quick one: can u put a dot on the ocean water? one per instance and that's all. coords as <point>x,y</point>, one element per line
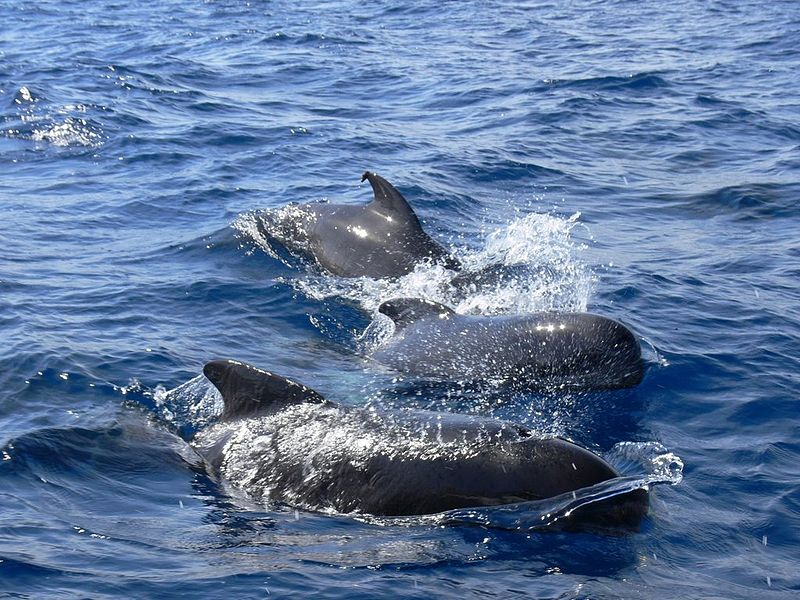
<point>637,160</point>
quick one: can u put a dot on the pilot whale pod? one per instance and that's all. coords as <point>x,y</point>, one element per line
<point>283,442</point>
<point>579,350</point>
<point>381,239</point>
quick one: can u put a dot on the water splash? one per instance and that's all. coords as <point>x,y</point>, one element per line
<point>70,131</point>
<point>529,265</point>
<point>542,514</point>
<point>653,457</point>
<point>61,126</point>
<point>280,233</point>
<point>190,406</point>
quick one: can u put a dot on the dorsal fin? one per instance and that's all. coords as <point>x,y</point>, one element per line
<point>249,392</point>
<point>404,311</point>
<point>388,201</point>
<point>390,205</point>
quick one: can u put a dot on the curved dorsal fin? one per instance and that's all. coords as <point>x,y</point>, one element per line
<point>249,392</point>
<point>388,201</point>
<point>389,204</point>
<point>404,311</point>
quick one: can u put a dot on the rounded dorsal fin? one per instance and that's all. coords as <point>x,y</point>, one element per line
<point>404,311</point>
<point>248,391</point>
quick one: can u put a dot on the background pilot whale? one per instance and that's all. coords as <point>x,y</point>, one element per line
<point>579,350</point>
<point>283,442</point>
<point>383,238</point>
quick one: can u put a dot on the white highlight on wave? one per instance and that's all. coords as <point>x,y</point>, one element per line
<point>64,126</point>
<point>70,132</point>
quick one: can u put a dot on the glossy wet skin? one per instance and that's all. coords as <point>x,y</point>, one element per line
<point>578,349</point>
<point>381,239</point>
<point>323,457</point>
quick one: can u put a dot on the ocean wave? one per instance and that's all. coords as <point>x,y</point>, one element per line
<point>638,82</point>
<point>751,201</point>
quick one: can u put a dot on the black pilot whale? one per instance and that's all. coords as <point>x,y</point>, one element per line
<point>381,239</point>
<point>576,350</point>
<point>282,442</point>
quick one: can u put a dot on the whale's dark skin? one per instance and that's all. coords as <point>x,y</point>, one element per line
<point>381,239</point>
<point>282,442</point>
<point>576,350</point>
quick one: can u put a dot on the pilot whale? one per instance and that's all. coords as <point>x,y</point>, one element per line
<point>381,239</point>
<point>576,350</point>
<point>280,441</point>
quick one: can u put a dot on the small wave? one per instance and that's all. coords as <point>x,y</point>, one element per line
<point>64,456</point>
<point>744,202</point>
<point>25,96</point>
<point>69,132</point>
<point>636,82</point>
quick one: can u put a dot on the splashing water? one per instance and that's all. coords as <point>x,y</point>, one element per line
<point>542,269</point>
<point>280,233</point>
<point>653,457</point>
<point>70,132</point>
<point>62,126</point>
<point>191,406</point>
<point>529,265</point>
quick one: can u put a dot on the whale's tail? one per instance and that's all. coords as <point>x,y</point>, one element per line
<point>249,392</point>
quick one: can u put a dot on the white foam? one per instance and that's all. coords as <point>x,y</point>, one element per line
<point>63,126</point>
<point>70,132</point>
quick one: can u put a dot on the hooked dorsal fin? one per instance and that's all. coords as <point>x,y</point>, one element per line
<point>388,201</point>
<point>390,205</point>
<point>404,311</point>
<point>249,392</point>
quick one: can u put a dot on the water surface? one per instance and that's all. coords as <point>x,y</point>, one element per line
<point>636,160</point>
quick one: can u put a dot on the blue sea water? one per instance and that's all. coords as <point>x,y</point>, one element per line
<point>638,160</point>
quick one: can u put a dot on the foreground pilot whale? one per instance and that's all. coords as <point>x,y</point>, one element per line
<point>381,239</point>
<point>576,350</point>
<point>282,442</point>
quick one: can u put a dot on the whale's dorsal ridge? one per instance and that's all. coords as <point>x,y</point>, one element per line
<point>248,391</point>
<point>404,311</point>
<point>388,201</point>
